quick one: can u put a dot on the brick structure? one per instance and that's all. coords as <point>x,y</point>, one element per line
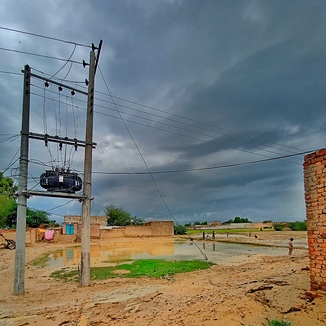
<point>315,198</point>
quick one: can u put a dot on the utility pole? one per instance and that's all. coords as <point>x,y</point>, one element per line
<point>86,206</point>
<point>24,193</point>
<point>19,271</point>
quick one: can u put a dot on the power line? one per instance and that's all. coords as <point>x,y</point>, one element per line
<point>43,36</point>
<point>169,125</point>
<point>210,167</point>
<point>39,55</point>
<point>182,123</point>
<point>119,98</point>
<point>141,154</point>
<point>12,162</point>
<point>176,127</point>
<point>189,119</point>
<point>9,138</point>
<point>67,61</point>
<point>10,72</point>
<point>56,207</point>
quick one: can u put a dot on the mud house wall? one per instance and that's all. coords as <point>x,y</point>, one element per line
<point>76,219</point>
<point>150,229</point>
<point>315,198</point>
<point>94,230</point>
<point>138,230</point>
<point>72,219</point>
<point>31,235</point>
<point>112,233</point>
<point>162,228</point>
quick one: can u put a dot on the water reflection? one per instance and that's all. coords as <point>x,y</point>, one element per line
<point>103,254</point>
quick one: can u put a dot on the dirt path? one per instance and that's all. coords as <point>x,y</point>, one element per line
<point>248,293</point>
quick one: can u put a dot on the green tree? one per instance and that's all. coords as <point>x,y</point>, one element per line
<point>180,229</point>
<point>117,216</point>
<point>228,222</point>
<point>34,218</point>
<point>137,220</point>
<point>278,227</point>
<point>200,223</point>
<point>238,219</point>
<point>298,226</point>
<point>8,205</point>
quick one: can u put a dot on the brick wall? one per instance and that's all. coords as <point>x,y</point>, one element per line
<point>315,198</point>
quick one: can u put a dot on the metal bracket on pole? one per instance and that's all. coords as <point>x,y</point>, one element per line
<point>55,194</point>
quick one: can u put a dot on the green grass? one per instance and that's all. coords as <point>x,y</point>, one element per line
<point>153,268</point>
<point>275,322</point>
<point>41,261</point>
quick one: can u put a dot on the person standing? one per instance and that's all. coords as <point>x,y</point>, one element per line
<point>290,246</point>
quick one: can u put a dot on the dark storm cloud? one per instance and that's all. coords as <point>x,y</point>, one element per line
<point>230,81</point>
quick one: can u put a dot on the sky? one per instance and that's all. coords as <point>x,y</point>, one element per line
<point>204,110</point>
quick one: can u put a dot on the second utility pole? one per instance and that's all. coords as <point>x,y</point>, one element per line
<point>86,207</point>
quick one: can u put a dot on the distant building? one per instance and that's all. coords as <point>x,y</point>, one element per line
<point>216,223</point>
<point>72,224</point>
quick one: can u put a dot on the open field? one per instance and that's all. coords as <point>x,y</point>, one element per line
<point>248,293</point>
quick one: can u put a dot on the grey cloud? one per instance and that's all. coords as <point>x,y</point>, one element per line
<point>248,78</point>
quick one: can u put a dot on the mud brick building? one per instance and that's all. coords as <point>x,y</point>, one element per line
<point>72,226</point>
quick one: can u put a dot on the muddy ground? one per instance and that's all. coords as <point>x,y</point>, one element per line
<point>247,293</point>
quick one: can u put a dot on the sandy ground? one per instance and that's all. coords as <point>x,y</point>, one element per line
<point>247,293</point>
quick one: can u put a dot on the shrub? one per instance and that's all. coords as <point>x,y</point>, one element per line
<point>180,229</point>
<point>298,226</point>
<point>278,227</point>
<point>275,322</point>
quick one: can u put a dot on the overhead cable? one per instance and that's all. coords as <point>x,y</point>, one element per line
<point>43,36</point>
<point>210,167</point>
<point>38,55</point>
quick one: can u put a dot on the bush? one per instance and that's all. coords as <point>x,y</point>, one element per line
<point>298,226</point>
<point>275,322</point>
<point>278,227</point>
<point>180,229</point>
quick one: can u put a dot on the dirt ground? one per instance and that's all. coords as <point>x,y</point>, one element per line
<point>247,293</point>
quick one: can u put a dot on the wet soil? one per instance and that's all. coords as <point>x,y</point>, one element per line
<point>250,292</point>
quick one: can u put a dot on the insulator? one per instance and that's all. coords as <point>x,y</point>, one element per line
<point>94,47</point>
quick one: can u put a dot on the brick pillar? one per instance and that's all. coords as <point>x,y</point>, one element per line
<point>315,198</point>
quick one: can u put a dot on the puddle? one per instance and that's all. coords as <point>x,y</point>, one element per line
<point>106,254</point>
